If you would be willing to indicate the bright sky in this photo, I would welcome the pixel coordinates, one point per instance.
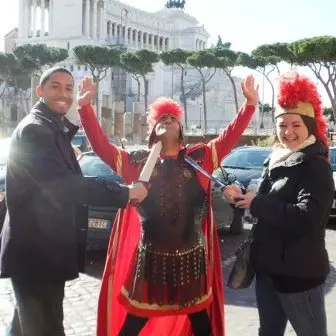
(246, 24)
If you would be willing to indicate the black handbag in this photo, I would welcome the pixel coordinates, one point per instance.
(242, 272)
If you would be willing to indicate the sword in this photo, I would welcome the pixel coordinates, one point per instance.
(204, 172)
(148, 168)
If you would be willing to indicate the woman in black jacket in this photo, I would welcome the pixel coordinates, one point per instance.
(292, 207)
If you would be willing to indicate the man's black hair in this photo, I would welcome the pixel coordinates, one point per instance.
(46, 74)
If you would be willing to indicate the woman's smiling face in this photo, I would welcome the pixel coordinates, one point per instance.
(291, 130)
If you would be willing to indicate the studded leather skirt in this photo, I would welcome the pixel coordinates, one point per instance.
(168, 280)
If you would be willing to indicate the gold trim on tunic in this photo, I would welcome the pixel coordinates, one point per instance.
(148, 306)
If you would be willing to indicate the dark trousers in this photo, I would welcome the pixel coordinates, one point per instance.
(304, 310)
(200, 324)
(38, 310)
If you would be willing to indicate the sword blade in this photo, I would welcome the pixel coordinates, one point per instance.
(148, 168)
(204, 172)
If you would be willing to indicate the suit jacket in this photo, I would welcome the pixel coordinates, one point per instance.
(44, 232)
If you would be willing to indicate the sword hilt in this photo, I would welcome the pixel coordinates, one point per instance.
(135, 202)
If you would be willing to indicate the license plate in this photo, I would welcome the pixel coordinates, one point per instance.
(334, 204)
(98, 223)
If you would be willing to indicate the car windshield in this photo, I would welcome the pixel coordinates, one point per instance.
(246, 158)
(4, 150)
(94, 166)
(333, 159)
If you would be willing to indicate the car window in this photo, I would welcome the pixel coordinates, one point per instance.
(4, 151)
(77, 141)
(93, 166)
(246, 158)
(333, 159)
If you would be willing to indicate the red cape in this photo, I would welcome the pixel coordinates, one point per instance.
(122, 246)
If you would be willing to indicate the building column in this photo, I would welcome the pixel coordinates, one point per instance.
(27, 17)
(102, 26)
(141, 40)
(167, 44)
(50, 11)
(24, 20)
(34, 18)
(94, 21)
(118, 108)
(21, 18)
(87, 18)
(42, 18)
(145, 36)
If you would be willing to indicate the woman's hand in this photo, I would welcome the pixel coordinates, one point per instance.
(86, 92)
(250, 91)
(232, 192)
(246, 200)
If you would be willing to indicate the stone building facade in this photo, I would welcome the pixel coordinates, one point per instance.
(69, 23)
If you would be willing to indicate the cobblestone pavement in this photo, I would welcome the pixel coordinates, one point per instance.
(241, 316)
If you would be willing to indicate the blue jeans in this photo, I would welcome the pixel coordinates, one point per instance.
(38, 310)
(304, 310)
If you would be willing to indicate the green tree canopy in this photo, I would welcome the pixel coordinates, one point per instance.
(328, 113)
(38, 56)
(179, 58)
(227, 60)
(265, 63)
(205, 62)
(99, 60)
(139, 64)
(17, 69)
(319, 54)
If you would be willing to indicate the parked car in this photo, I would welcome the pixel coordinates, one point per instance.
(333, 167)
(100, 218)
(226, 216)
(4, 151)
(81, 142)
(246, 164)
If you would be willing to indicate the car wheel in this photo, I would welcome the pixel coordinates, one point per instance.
(237, 224)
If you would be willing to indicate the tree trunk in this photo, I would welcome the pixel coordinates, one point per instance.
(262, 118)
(146, 92)
(137, 79)
(234, 90)
(97, 104)
(34, 83)
(330, 94)
(273, 97)
(139, 90)
(22, 103)
(184, 99)
(204, 106)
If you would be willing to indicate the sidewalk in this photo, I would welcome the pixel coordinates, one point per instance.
(81, 297)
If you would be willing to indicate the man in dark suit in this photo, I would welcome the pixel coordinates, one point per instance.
(44, 233)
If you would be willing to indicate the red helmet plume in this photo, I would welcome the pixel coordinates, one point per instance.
(162, 107)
